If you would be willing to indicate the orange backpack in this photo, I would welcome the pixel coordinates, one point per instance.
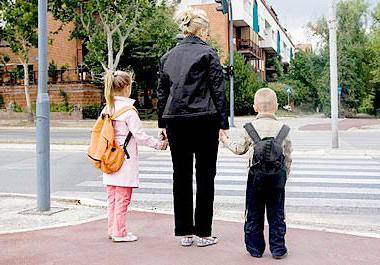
(104, 152)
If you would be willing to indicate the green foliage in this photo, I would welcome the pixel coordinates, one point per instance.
(2, 101)
(17, 108)
(52, 70)
(5, 59)
(60, 108)
(367, 105)
(355, 60)
(216, 45)
(108, 27)
(92, 111)
(19, 25)
(245, 86)
(282, 96)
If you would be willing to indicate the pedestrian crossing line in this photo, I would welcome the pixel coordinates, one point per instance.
(292, 178)
(307, 156)
(228, 187)
(295, 165)
(169, 171)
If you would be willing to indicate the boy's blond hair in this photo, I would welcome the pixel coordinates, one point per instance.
(265, 101)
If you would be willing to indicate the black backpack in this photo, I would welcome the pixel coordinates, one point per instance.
(268, 161)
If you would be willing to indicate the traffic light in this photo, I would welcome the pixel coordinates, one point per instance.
(223, 7)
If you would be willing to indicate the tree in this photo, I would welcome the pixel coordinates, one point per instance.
(156, 35)
(308, 71)
(19, 29)
(353, 70)
(102, 23)
(374, 46)
(245, 85)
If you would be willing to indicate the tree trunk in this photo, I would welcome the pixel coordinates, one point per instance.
(27, 95)
(110, 50)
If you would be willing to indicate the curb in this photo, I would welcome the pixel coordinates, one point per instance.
(83, 202)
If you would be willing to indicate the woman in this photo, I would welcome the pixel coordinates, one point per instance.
(192, 110)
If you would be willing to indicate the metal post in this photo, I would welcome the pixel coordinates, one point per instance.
(43, 112)
(232, 113)
(333, 74)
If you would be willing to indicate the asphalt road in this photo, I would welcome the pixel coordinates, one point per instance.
(358, 139)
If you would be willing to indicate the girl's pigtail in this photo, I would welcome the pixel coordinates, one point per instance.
(108, 90)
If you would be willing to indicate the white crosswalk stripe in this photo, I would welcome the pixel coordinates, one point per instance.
(315, 181)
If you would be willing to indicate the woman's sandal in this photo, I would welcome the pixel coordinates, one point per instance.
(187, 241)
(207, 241)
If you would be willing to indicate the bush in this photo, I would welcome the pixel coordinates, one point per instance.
(92, 111)
(367, 105)
(282, 96)
(61, 107)
(1, 102)
(245, 86)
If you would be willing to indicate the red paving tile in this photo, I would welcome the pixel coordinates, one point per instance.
(343, 125)
(87, 244)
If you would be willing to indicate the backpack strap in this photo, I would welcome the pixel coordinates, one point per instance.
(122, 111)
(252, 132)
(126, 142)
(282, 134)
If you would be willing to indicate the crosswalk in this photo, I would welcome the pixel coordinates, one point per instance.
(317, 183)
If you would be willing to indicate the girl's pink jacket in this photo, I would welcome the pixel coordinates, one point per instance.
(128, 175)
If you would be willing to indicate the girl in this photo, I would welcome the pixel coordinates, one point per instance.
(120, 184)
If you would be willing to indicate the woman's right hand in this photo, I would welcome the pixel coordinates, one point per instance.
(162, 135)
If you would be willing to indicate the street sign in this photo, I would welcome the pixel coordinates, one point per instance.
(340, 88)
(288, 89)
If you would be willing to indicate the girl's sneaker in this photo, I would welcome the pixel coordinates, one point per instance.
(128, 238)
(187, 241)
(207, 241)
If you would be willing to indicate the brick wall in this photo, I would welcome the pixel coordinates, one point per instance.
(78, 94)
(218, 26)
(61, 50)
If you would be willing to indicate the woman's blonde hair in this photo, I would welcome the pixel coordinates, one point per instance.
(193, 22)
(115, 82)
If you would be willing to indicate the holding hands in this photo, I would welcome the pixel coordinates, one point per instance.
(223, 136)
(164, 139)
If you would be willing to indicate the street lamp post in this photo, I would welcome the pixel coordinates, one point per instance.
(333, 74)
(43, 112)
(225, 6)
(232, 94)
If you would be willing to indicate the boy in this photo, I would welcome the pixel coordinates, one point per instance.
(270, 161)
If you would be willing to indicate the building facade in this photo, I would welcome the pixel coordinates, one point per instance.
(258, 33)
(66, 55)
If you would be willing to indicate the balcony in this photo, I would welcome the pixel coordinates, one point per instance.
(249, 48)
(268, 45)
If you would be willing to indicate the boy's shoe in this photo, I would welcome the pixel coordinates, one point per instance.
(187, 241)
(256, 255)
(128, 238)
(207, 241)
(280, 256)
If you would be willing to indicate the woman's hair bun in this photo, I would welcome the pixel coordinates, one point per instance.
(186, 17)
(192, 21)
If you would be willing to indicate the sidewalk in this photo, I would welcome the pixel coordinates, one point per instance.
(88, 244)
